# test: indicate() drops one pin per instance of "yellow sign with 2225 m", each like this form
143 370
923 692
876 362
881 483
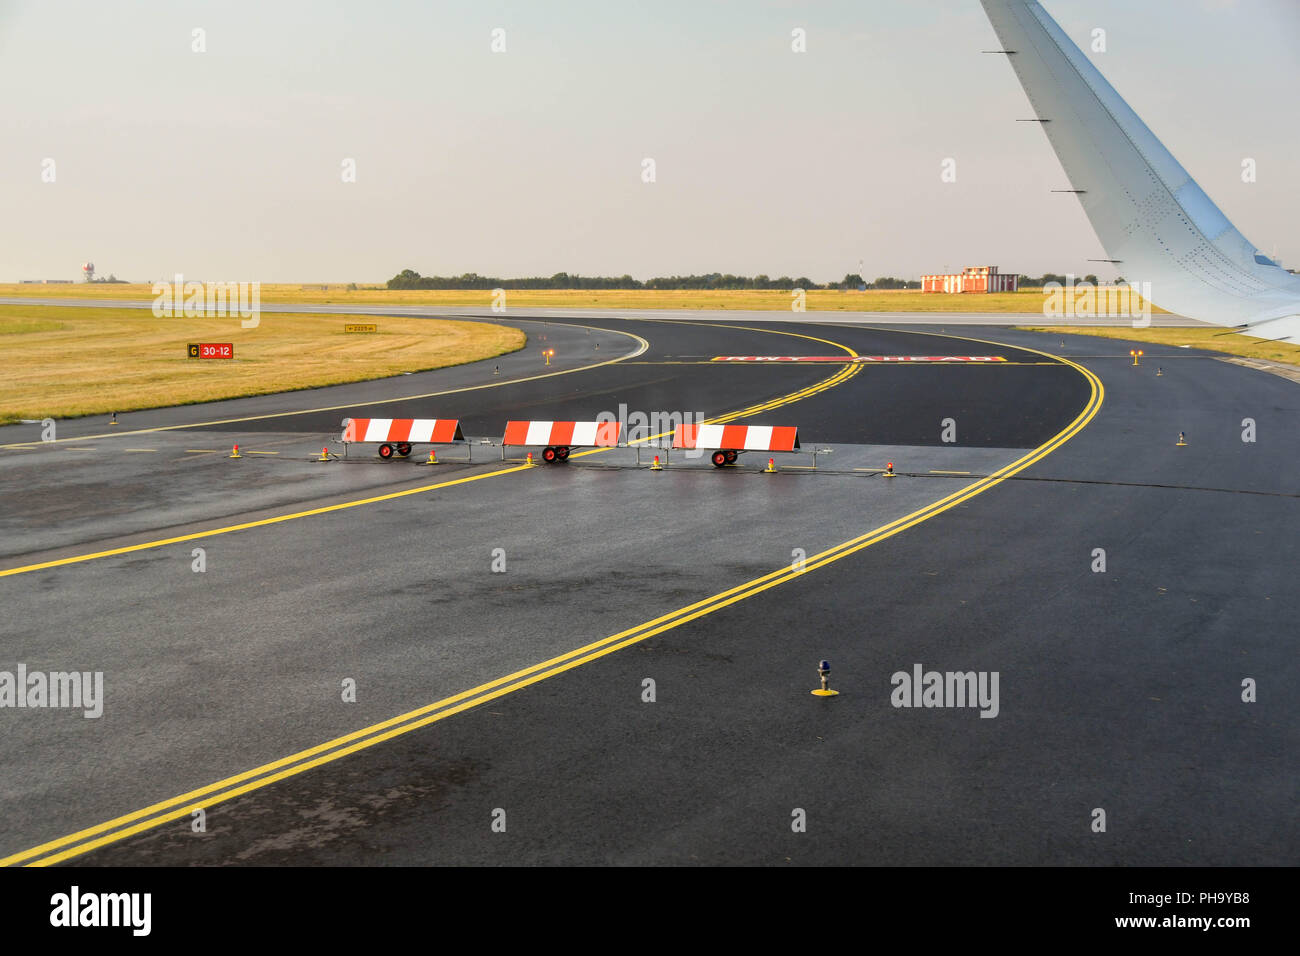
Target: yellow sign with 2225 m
361 328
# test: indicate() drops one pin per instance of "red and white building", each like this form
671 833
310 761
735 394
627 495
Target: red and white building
974 279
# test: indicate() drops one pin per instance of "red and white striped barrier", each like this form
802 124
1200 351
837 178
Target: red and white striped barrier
399 434
738 437
439 431
559 437
597 434
730 440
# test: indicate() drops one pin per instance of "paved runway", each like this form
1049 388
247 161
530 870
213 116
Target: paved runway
1119 690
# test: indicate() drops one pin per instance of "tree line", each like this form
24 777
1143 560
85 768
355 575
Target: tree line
410 279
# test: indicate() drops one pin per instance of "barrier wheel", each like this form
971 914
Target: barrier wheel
385 451
548 455
720 459
732 456
562 453
404 448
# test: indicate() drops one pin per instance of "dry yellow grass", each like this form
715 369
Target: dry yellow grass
818 300
1214 340
64 362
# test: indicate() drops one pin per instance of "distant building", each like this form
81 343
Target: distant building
974 279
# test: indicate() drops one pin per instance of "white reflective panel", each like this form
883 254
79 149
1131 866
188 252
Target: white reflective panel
539 433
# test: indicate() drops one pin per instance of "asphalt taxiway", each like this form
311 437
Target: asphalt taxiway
524 690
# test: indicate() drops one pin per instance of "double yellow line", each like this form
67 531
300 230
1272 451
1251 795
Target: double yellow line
175 808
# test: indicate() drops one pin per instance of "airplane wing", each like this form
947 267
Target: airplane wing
1152 218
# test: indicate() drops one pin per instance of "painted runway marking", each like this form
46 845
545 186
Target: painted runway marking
119 828
866 359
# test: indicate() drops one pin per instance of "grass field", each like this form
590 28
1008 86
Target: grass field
819 300
65 362
1212 339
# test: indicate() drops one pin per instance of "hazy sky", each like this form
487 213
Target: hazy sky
227 164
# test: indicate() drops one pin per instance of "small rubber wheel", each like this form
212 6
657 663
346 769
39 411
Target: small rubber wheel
548 455
385 451
404 448
562 453
732 456
720 459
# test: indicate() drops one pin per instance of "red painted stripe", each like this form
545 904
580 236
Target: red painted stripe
733 436
562 433
783 437
444 430
607 434
400 430
686 436
356 429
516 433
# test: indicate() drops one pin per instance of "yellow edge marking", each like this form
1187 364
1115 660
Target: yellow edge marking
405 723
250 452
644 345
203 451
938 472
139 449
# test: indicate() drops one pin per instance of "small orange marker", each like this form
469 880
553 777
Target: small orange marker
235 453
